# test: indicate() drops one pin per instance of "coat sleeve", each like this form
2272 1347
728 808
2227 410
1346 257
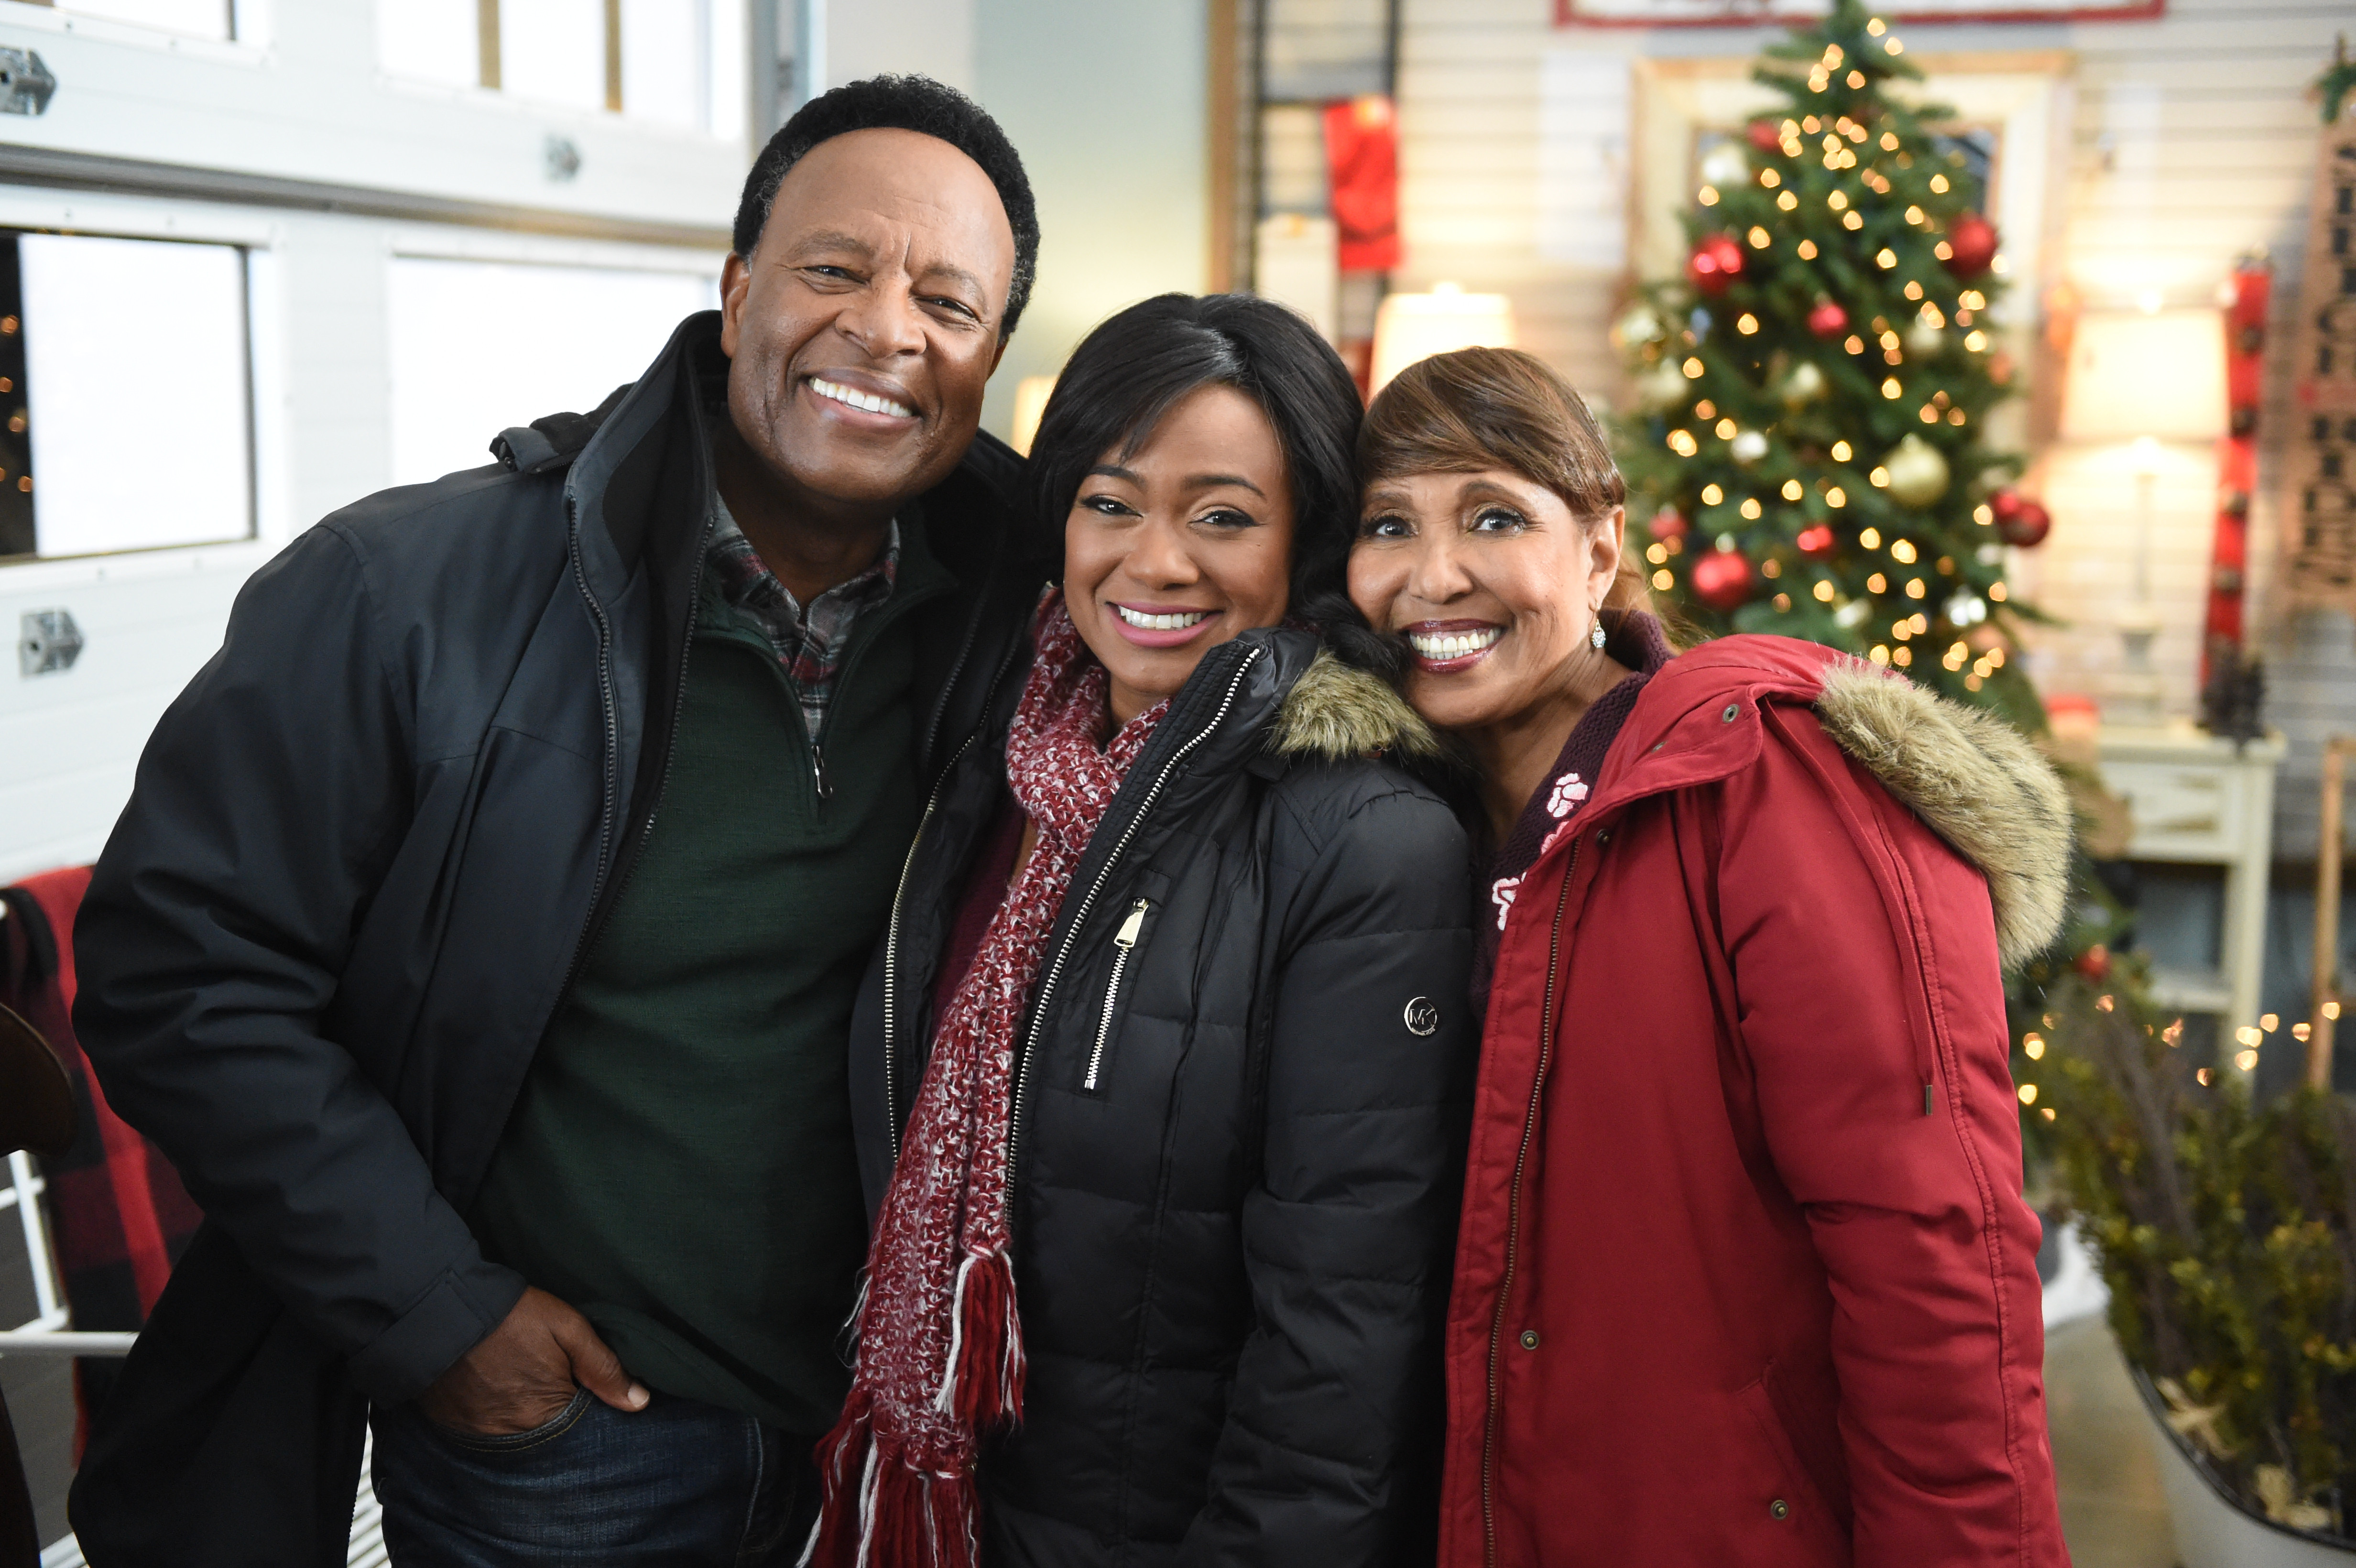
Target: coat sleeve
267 803
1329 1452
1871 1009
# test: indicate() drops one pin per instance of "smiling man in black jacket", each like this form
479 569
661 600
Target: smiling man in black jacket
481 937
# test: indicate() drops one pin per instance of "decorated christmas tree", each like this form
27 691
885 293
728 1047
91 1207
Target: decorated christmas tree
1810 451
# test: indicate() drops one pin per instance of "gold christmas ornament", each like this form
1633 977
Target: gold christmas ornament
1918 473
1805 384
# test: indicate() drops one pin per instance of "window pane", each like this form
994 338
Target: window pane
731 85
662 61
136 359
683 64
194 18
430 40
554 51
480 345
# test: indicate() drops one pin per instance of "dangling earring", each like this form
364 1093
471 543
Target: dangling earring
1595 632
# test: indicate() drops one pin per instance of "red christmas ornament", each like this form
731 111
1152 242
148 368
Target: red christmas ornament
2027 527
1765 135
2094 963
1827 320
1723 579
1668 523
1971 245
1816 542
2005 506
1715 262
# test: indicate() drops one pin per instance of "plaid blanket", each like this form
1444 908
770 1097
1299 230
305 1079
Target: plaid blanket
118 1216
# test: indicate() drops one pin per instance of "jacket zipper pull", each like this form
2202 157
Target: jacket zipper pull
1928 1097
818 770
1124 939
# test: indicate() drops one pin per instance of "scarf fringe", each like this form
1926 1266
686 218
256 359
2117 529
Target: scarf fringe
982 1385
881 1510
904 1517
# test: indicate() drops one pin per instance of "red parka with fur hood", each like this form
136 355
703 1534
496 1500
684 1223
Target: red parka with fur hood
1744 1276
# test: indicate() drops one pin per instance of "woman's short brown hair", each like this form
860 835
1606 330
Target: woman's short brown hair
1499 408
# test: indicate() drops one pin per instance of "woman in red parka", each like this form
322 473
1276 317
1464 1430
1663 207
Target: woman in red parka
1744 1274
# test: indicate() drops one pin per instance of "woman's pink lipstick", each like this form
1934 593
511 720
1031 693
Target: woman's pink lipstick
1422 633
1160 636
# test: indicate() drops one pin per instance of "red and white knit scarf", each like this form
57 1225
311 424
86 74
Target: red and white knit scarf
940 1345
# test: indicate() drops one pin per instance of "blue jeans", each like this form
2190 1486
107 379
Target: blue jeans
679 1483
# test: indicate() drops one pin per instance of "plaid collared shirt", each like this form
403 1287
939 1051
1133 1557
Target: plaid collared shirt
809 642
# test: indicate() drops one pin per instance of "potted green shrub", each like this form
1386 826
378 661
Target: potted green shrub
2224 1229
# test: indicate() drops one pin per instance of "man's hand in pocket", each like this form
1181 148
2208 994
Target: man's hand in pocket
522 1374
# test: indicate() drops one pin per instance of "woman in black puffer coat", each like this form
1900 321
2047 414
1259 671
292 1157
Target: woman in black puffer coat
1239 1086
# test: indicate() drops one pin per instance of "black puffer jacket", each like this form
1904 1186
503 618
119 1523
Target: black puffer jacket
1239 1116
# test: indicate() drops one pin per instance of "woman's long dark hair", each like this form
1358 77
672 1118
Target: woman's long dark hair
1130 371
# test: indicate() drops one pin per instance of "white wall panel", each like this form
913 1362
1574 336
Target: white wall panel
69 742
474 344
1582 159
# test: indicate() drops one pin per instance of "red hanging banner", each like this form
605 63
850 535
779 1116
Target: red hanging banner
1362 178
2250 288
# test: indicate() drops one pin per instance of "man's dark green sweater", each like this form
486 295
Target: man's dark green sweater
680 1165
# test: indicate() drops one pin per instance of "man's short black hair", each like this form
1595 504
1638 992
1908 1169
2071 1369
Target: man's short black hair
901 103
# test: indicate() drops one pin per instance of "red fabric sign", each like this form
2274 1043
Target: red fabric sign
1362 175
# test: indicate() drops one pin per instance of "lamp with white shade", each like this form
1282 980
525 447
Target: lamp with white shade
1409 328
2137 380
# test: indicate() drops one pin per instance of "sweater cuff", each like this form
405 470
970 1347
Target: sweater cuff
452 1317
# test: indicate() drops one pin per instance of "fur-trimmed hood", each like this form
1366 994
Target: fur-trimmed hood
1336 712
1978 783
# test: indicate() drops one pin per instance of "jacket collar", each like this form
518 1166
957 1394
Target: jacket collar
611 523
1696 720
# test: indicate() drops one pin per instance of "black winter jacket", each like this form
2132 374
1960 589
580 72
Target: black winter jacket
366 847
1239 1106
